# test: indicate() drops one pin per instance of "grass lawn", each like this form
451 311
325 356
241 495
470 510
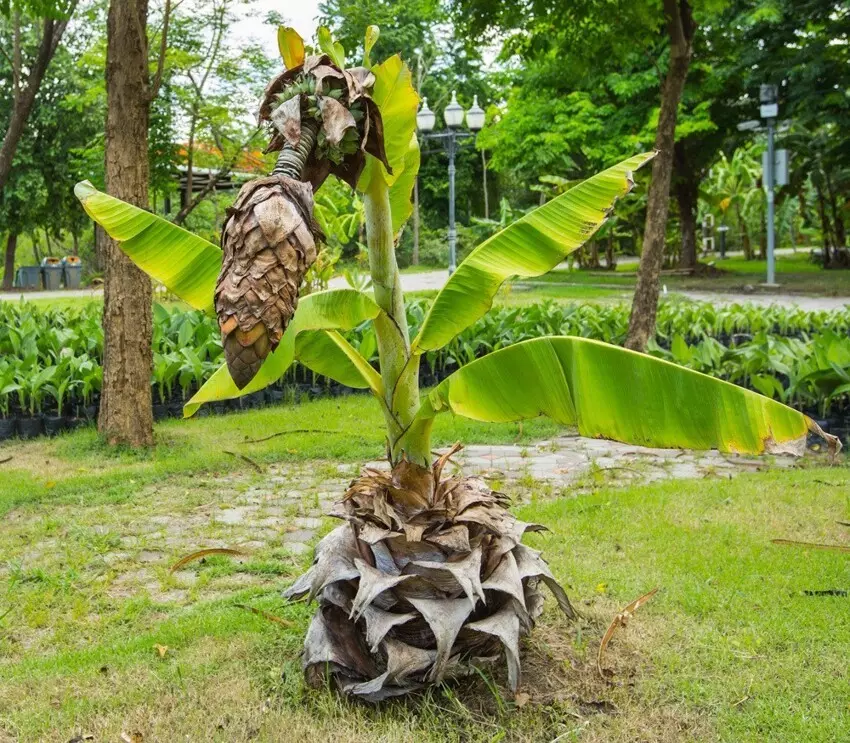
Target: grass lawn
96 637
795 274
522 295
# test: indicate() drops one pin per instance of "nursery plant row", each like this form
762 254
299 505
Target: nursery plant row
51 373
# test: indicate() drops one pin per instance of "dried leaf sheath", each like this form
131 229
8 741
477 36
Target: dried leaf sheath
427 578
269 242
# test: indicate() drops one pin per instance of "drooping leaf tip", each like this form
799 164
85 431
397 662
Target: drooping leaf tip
84 189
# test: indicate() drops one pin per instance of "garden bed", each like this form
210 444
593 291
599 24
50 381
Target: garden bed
51 373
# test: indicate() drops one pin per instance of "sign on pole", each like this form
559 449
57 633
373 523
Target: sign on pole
780 167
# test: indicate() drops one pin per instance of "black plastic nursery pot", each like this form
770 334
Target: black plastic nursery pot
30 428
274 396
54 424
256 399
74 423
8 428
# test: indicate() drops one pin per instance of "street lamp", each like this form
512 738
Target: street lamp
454 116
774 166
769 111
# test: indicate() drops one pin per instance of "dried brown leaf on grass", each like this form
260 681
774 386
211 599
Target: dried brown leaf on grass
266 615
620 620
248 460
811 545
203 553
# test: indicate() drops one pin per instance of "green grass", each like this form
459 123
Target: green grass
422 268
730 649
346 429
59 301
795 274
731 636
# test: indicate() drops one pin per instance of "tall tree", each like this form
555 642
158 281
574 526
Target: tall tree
595 35
214 84
36 28
680 29
125 408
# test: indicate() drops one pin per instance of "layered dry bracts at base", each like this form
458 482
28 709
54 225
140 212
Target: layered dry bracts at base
269 242
426 579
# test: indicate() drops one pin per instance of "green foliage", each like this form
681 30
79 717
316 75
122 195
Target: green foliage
613 393
797 357
152 243
55 147
531 246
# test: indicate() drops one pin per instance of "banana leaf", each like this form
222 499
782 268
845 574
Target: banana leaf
186 264
531 246
337 309
610 392
397 101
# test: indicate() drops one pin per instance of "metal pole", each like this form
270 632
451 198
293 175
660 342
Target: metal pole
770 176
415 257
452 230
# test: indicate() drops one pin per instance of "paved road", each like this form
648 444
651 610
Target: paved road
14 296
430 280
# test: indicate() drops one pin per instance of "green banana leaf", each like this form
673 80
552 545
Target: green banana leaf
610 392
186 264
401 192
337 309
327 353
397 101
531 246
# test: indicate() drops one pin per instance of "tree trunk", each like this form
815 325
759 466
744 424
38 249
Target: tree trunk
125 405
687 193
839 231
645 303
190 162
9 270
24 91
100 238
745 236
594 255
610 258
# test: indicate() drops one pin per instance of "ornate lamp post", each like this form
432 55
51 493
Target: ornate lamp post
450 139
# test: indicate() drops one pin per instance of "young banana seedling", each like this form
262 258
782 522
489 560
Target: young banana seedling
428 575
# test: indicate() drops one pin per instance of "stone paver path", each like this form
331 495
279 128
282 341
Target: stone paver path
123 551
575 463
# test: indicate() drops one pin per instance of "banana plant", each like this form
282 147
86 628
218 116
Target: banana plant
428 574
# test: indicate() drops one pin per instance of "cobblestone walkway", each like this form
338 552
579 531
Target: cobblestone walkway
567 465
123 551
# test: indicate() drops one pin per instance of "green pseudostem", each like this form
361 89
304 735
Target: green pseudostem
399 368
